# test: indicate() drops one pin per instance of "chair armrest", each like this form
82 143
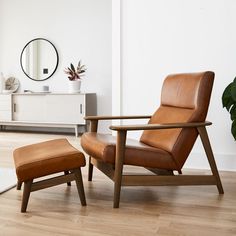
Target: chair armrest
159 126
115 117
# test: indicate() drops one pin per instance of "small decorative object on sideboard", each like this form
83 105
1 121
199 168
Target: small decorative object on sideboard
45 89
229 102
12 84
74 76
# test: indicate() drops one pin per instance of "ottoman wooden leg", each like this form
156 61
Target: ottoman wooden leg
80 186
19 184
66 173
26 194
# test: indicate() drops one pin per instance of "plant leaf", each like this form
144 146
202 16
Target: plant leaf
227 99
233 91
233 112
70 70
72 67
231 102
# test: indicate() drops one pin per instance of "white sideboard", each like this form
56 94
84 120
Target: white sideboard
47 109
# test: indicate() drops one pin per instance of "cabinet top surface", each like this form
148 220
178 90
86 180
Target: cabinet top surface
38 93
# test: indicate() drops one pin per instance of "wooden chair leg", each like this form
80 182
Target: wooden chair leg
93 128
26 194
210 156
90 170
80 186
66 173
18 186
120 153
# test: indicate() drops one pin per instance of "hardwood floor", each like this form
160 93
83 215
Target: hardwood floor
143 210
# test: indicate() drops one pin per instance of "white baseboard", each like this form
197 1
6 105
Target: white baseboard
225 162
45 129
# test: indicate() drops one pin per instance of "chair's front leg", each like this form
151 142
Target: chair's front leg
120 154
90 170
93 128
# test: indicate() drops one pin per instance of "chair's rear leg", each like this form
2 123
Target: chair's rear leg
66 173
26 194
207 147
80 186
120 153
90 170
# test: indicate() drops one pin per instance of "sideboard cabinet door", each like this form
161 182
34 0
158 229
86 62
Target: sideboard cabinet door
29 108
5 107
65 108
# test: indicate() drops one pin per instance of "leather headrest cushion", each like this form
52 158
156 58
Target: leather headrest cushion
181 90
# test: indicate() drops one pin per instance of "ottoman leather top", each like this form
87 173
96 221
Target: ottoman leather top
46 158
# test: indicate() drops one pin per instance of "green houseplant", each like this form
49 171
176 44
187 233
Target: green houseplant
229 102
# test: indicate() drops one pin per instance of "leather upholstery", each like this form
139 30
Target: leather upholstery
103 147
46 158
184 98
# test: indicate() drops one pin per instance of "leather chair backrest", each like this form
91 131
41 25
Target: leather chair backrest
184 98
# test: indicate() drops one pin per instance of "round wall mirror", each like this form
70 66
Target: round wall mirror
39 59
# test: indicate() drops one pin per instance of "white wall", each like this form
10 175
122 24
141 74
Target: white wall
80 29
160 37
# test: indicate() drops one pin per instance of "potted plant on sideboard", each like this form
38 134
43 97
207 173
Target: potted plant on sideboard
229 102
74 76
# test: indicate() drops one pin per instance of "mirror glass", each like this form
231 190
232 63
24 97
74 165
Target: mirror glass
39 59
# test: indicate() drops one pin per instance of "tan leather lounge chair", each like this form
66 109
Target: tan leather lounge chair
166 141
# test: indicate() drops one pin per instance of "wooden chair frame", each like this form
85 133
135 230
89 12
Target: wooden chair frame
72 175
162 177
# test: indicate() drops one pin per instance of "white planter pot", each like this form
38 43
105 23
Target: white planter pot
74 86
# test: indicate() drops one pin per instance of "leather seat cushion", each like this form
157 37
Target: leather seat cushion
102 146
46 158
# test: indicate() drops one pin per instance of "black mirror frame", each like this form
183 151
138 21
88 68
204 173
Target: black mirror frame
56 55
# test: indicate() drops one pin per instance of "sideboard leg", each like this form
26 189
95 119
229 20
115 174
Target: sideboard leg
76 131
